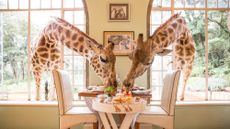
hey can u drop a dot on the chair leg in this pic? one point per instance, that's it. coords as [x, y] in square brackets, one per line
[95, 125]
[137, 125]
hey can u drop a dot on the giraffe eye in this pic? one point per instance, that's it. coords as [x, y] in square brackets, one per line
[103, 60]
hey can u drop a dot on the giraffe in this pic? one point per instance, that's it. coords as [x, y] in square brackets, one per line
[46, 54]
[173, 31]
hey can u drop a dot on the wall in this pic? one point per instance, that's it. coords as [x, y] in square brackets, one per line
[46, 117]
[98, 22]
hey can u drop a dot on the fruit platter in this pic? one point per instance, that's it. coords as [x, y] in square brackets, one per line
[120, 103]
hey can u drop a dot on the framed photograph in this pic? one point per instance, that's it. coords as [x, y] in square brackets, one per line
[118, 12]
[123, 41]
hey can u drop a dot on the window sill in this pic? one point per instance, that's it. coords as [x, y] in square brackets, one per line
[196, 103]
[82, 103]
[203, 103]
[37, 103]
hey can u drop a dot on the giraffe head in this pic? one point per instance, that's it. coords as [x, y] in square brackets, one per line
[101, 57]
[142, 58]
[103, 62]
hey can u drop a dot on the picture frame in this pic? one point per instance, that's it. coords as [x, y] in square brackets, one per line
[123, 41]
[119, 12]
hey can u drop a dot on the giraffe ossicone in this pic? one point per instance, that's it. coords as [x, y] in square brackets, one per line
[173, 31]
[46, 54]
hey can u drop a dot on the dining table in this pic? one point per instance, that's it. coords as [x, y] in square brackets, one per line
[126, 112]
[87, 93]
[106, 110]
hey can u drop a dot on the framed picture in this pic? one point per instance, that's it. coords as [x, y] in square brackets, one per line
[123, 41]
[118, 12]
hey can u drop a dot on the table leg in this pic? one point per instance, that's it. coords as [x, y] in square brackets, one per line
[112, 121]
[127, 121]
[104, 120]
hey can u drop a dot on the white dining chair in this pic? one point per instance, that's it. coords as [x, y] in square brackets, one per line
[68, 114]
[163, 115]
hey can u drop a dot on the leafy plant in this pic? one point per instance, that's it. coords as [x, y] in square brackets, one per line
[110, 90]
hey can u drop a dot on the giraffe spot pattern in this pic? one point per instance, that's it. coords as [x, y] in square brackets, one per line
[157, 40]
[48, 64]
[166, 43]
[162, 39]
[47, 45]
[74, 37]
[55, 26]
[189, 51]
[179, 27]
[42, 49]
[98, 65]
[180, 20]
[81, 39]
[42, 41]
[75, 44]
[43, 61]
[62, 38]
[182, 62]
[55, 51]
[49, 27]
[174, 25]
[37, 68]
[67, 33]
[75, 49]
[44, 55]
[54, 57]
[179, 50]
[170, 30]
[56, 36]
[60, 29]
[187, 41]
[52, 46]
[164, 34]
[68, 44]
[81, 48]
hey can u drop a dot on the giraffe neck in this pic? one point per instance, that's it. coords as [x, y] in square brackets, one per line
[168, 33]
[60, 31]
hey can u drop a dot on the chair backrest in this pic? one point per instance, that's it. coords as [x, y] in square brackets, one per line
[169, 92]
[63, 90]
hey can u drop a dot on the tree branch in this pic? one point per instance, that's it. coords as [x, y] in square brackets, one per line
[218, 23]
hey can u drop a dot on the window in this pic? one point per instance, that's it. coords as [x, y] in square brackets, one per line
[209, 22]
[20, 23]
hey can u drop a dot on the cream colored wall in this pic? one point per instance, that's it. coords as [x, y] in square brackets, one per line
[98, 22]
[46, 117]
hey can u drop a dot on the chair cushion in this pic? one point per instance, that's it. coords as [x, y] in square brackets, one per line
[169, 90]
[64, 90]
[79, 110]
[154, 110]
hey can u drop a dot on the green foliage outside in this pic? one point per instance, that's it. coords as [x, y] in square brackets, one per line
[218, 50]
[14, 32]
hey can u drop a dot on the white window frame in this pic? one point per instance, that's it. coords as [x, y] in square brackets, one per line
[62, 9]
[172, 8]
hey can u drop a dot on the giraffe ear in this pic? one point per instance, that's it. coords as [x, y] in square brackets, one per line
[111, 44]
[164, 52]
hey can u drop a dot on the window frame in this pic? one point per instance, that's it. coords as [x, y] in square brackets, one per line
[62, 10]
[172, 9]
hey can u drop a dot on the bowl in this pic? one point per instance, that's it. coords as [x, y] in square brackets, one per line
[100, 88]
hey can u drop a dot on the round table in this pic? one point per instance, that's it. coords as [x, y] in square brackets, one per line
[106, 111]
